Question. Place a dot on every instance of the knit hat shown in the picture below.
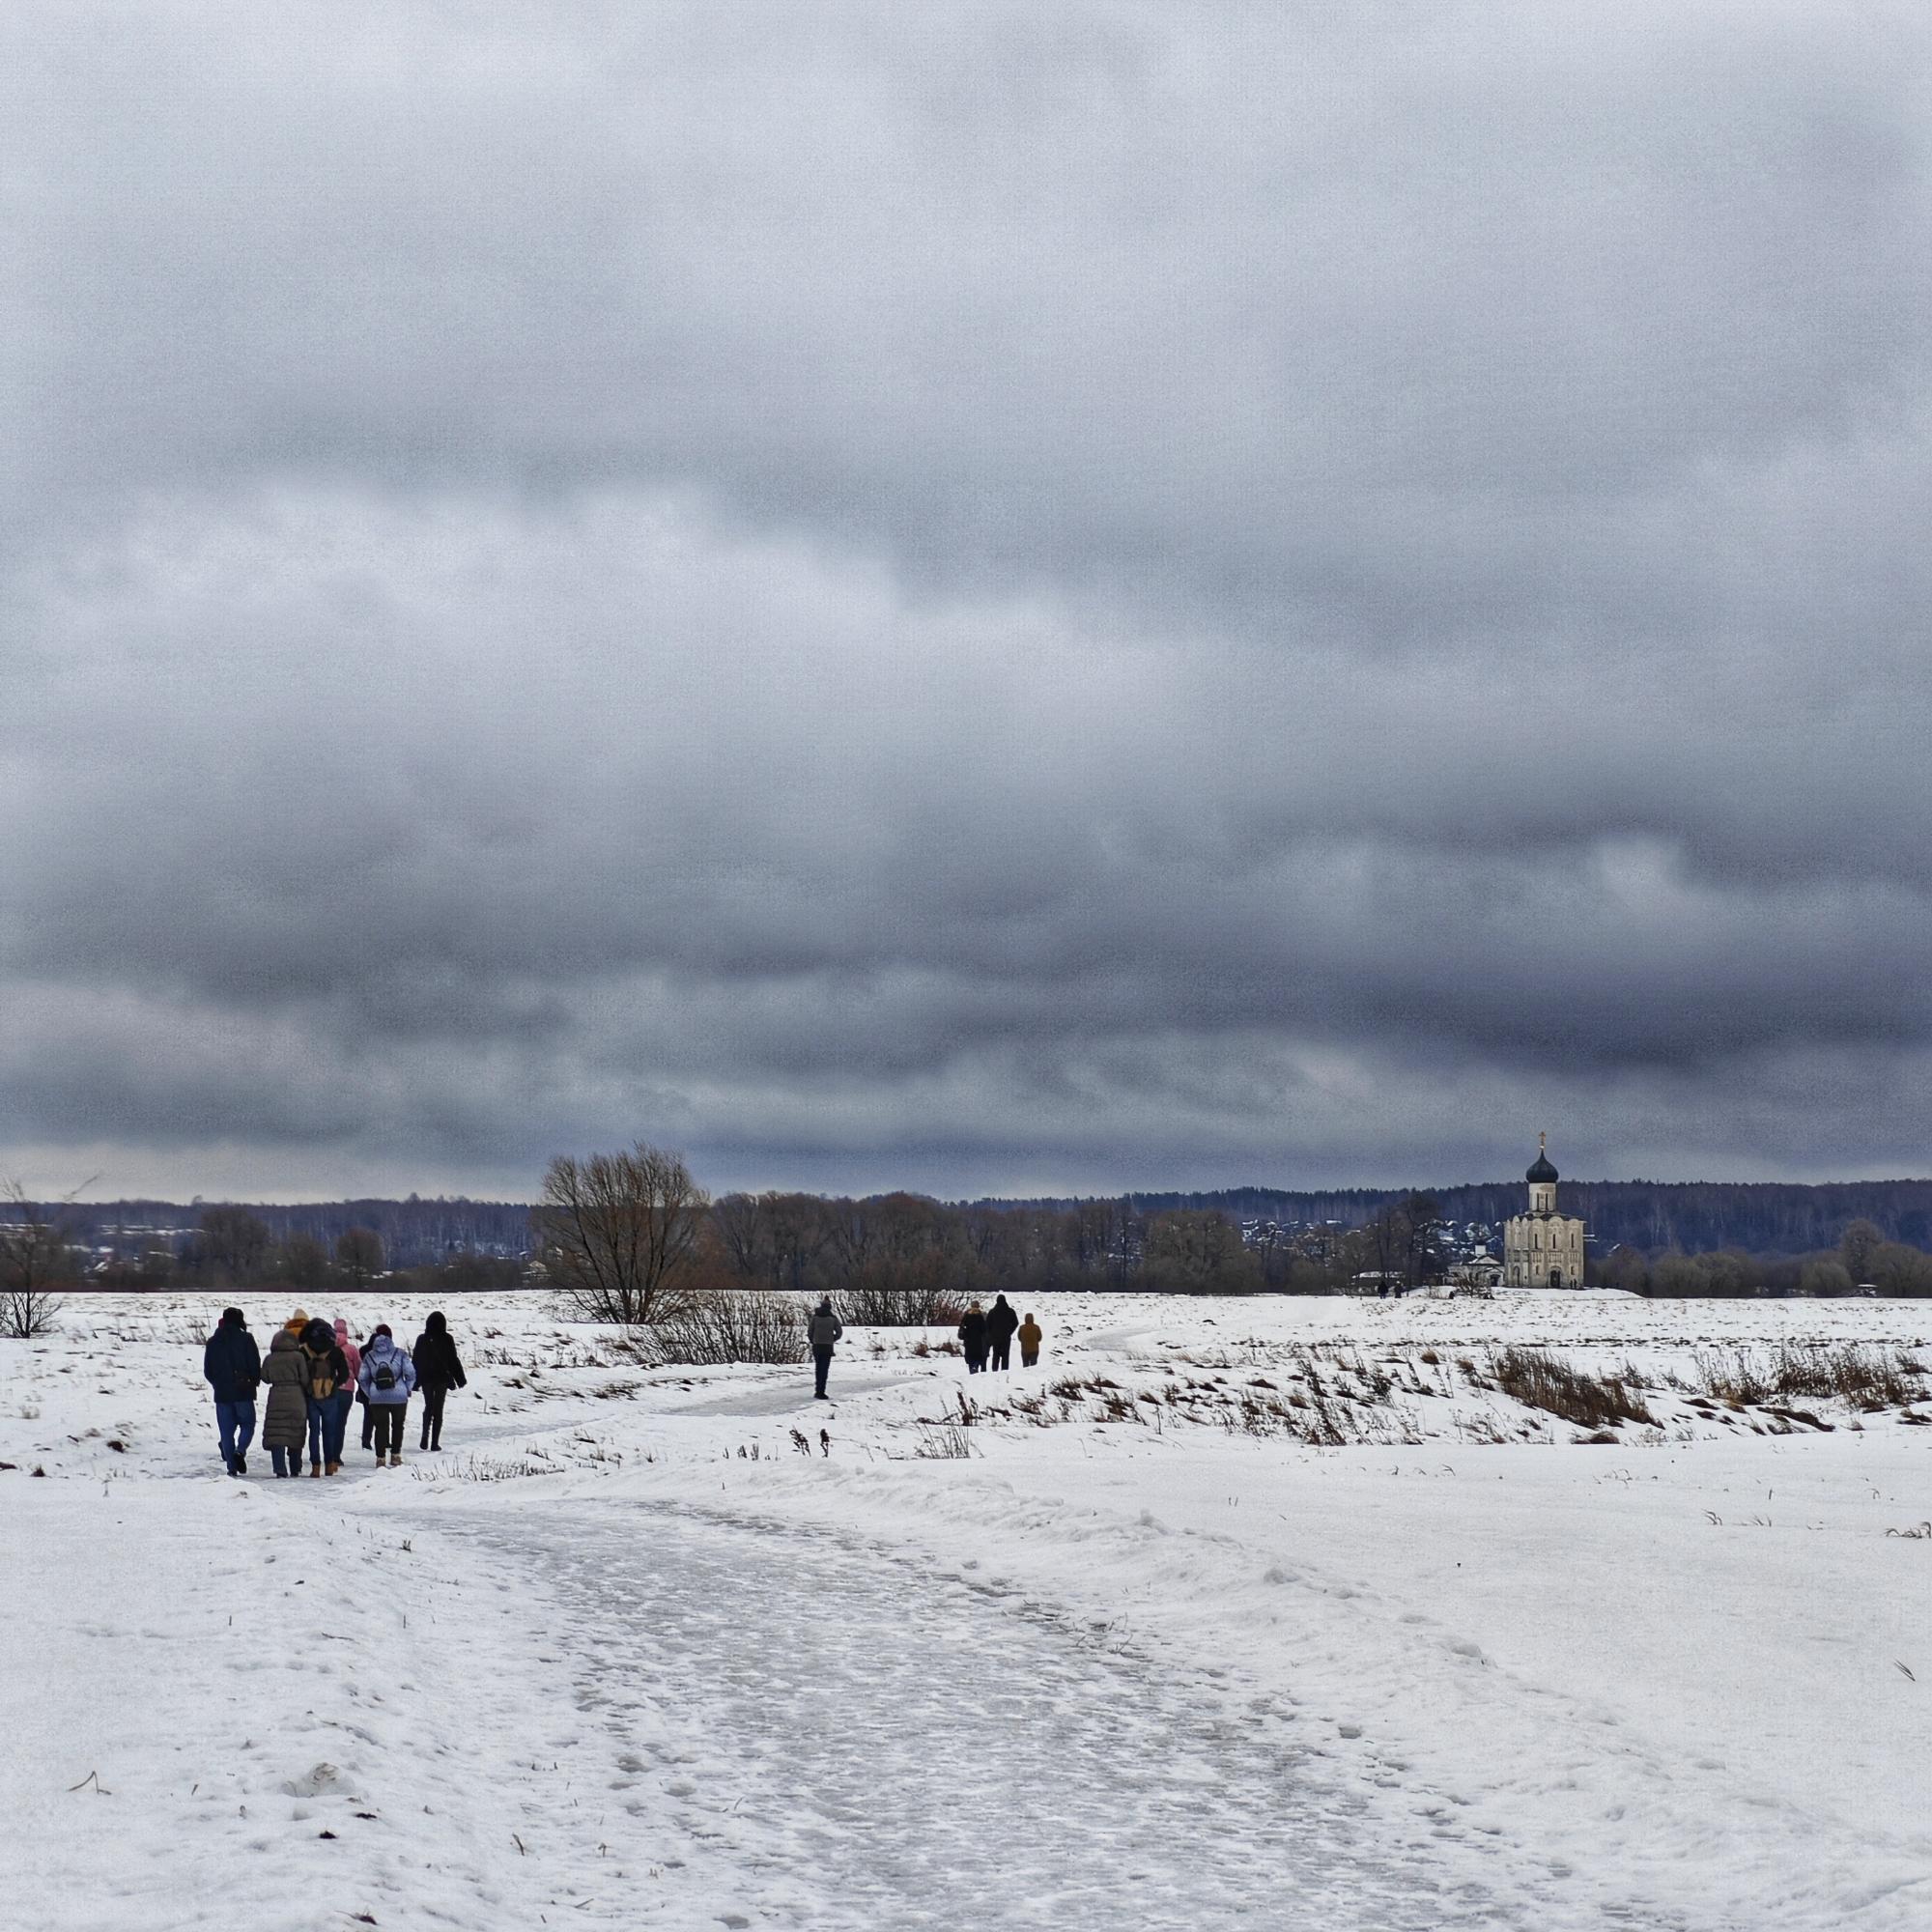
(341, 1327)
(298, 1317)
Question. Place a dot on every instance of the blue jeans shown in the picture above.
(235, 1421)
(291, 1465)
(320, 1414)
(335, 1423)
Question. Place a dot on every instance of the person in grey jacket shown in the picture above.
(822, 1330)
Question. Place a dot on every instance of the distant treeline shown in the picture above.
(414, 1233)
(1742, 1235)
(1763, 1217)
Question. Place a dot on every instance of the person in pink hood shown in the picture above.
(343, 1401)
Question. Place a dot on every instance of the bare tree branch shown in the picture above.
(619, 1233)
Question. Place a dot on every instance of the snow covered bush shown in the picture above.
(723, 1326)
(909, 1297)
(26, 1312)
(33, 1258)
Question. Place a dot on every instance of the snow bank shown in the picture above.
(1506, 1672)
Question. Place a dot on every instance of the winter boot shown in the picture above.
(240, 1466)
(315, 1468)
(395, 1459)
(332, 1469)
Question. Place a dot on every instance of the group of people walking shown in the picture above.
(989, 1332)
(983, 1333)
(315, 1375)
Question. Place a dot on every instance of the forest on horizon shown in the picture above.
(1765, 1219)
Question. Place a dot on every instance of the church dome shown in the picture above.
(1542, 1171)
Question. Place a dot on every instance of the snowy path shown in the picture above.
(794, 1393)
(623, 1659)
(845, 1740)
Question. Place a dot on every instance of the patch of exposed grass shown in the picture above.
(1866, 1378)
(1540, 1380)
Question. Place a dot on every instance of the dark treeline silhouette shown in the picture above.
(216, 1243)
(898, 1254)
(1652, 1216)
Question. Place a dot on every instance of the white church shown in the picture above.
(1543, 1249)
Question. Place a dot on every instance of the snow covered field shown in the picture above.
(1278, 1613)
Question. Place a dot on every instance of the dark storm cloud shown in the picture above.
(953, 596)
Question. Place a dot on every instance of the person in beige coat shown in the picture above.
(1030, 1340)
(285, 1425)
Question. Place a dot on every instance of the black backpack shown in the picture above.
(385, 1377)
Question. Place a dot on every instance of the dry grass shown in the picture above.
(1538, 1379)
(1866, 1378)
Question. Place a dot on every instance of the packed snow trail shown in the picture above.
(849, 1741)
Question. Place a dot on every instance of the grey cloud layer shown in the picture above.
(916, 594)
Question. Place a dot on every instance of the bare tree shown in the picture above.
(359, 1254)
(233, 1245)
(35, 1262)
(1857, 1247)
(302, 1262)
(619, 1233)
(1898, 1270)
(1825, 1277)
(1198, 1251)
(1422, 1243)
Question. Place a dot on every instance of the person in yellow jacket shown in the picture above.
(1029, 1340)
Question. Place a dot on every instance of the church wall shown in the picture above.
(1535, 1243)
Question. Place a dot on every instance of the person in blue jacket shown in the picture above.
(232, 1364)
(388, 1378)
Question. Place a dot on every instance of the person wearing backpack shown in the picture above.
(284, 1421)
(232, 1365)
(388, 1378)
(437, 1371)
(822, 1331)
(327, 1370)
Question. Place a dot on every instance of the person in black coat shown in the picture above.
(232, 1365)
(1001, 1322)
(437, 1371)
(972, 1339)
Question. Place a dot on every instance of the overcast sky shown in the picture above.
(994, 598)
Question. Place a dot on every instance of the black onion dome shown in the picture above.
(1542, 1171)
